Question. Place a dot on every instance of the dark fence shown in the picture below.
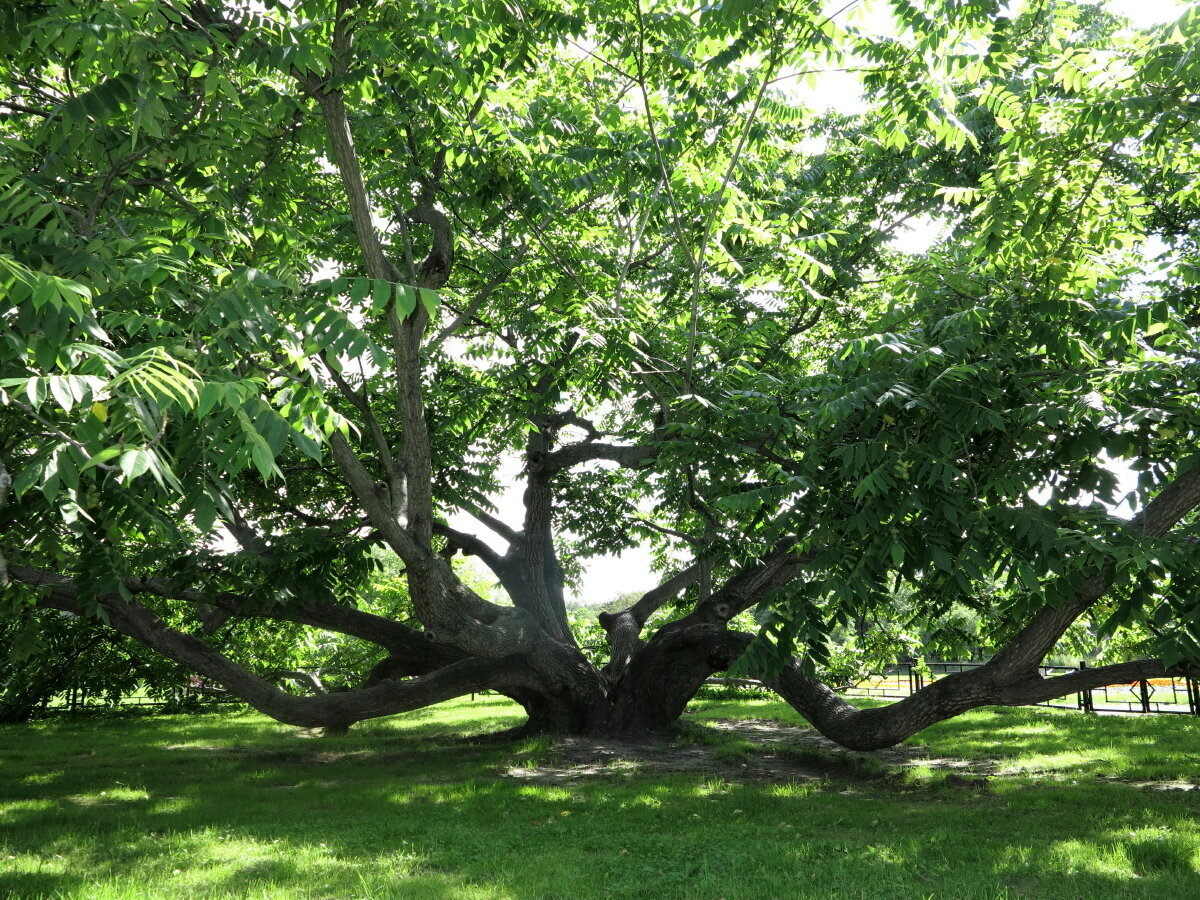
(79, 699)
(194, 690)
(1169, 694)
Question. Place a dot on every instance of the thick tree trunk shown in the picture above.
(666, 674)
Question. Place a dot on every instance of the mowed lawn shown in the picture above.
(230, 804)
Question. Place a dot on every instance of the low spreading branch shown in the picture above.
(872, 729)
(398, 639)
(337, 711)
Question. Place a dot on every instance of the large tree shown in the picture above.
(308, 274)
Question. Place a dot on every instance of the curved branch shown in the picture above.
(1025, 651)
(419, 654)
(507, 532)
(666, 674)
(624, 629)
(885, 726)
(653, 600)
(338, 710)
(471, 546)
(752, 584)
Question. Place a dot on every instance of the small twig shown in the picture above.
(30, 110)
(639, 58)
(476, 302)
(671, 532)
(58, 433)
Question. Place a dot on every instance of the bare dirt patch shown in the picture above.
(767, 733)
(777, 752)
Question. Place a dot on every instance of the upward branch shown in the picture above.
(406, 333)
(1035, 640)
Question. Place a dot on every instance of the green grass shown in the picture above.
(233, 805)
(1049, 742)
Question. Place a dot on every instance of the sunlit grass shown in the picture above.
(233, 805)
(1034, 740)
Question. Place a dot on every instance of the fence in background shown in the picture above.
(1172, 694)
(78, 699)
(1179, 694)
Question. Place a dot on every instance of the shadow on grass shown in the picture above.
(240, 807)
(1035, 739)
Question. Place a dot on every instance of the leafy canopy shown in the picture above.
(659, 243)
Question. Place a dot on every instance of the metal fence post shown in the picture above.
(1193, 692)
(1145, 691)
(1085, 696)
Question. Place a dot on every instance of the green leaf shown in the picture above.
(102, 457)
(430, 299)
(133, 463)
(406, 300)
(359, 288)
(381, 294)
(61, 388)
(263, 459)
(210, 393)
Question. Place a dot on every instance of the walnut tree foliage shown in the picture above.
(310, 274)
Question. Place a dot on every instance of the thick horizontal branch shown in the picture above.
(872, 729)
(701, 650)
(418, 653)
(589, 451)
(337, 710)
(1043, 689)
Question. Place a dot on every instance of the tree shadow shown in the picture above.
(225, 812)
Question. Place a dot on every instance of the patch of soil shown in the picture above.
(782, 753)
(766, 733)
(778, 753)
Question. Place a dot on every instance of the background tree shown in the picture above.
(307, 273)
